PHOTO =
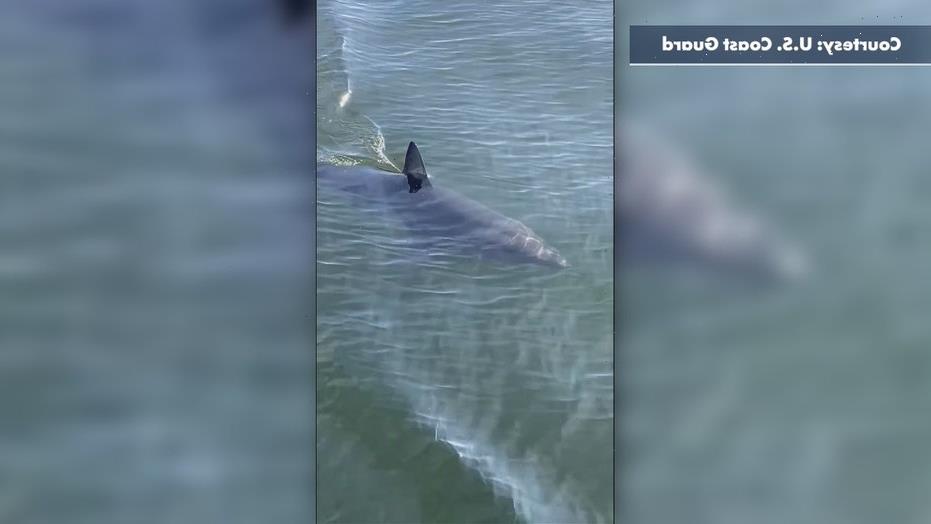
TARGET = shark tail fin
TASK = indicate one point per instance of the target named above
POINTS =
(414, 169)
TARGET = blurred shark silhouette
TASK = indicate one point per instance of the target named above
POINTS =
(669, 213)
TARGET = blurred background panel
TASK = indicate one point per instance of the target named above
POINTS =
(774, 290)
(156, 271)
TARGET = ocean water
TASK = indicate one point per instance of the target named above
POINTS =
(156, 276)
(806, 403)
(449, 389)
(156, 270)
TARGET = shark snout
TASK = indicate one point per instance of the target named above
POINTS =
(537, 251)
(552, 257)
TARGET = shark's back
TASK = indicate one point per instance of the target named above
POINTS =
(441, 216)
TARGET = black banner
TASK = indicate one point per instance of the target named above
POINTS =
(800, 45)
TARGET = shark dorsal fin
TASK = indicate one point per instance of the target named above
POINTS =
(414, 170)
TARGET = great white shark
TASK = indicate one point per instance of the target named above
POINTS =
(668, 212)
(440, 216)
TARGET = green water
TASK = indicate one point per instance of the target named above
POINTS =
(449, 389)
(156, 265)
(802, 403)
(156, 274)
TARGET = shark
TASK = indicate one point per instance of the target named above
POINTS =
(439, 216)
(671, 214)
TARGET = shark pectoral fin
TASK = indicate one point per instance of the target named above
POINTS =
(414, 169)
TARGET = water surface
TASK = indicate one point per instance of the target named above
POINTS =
(452, 389)
(156, 278)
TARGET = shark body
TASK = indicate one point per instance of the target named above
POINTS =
(439, 216)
